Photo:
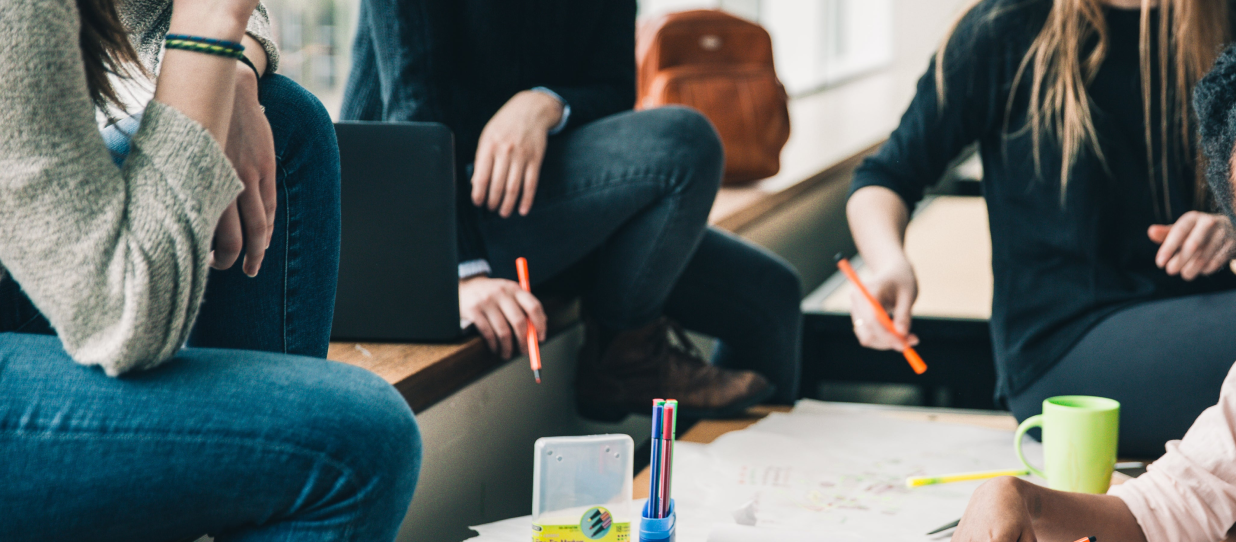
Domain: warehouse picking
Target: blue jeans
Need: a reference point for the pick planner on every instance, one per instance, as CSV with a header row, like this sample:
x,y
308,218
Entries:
x,y
288,307
625,200
246,446
241,444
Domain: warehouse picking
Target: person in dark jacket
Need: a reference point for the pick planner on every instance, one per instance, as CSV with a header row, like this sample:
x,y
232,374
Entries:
x,y
1110,263
556,167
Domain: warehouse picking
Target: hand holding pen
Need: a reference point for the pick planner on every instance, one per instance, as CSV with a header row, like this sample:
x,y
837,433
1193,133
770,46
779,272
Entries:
x,y
864,302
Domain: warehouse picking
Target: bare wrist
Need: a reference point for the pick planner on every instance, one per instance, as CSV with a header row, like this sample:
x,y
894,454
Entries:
x,y
548,111
885,260
213,23
245,76
1031,496
466,280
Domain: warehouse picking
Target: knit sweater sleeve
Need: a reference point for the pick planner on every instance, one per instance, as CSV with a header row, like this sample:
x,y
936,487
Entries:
x,y
115,258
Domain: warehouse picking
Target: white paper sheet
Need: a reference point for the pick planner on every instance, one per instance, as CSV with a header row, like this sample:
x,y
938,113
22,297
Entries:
x,y
823,473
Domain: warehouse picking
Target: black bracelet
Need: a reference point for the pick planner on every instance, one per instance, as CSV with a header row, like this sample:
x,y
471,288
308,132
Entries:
x,y
245,60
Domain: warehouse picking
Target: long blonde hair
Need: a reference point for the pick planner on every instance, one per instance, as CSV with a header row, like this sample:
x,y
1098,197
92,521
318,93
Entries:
x,y
1191,33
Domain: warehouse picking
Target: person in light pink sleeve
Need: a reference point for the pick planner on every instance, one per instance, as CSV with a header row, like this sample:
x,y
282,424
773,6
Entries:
x,y
1187,496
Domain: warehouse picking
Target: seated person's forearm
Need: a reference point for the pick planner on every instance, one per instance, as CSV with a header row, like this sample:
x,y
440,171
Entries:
x,y
199,85
1060,515
255,53
878,219
1000,510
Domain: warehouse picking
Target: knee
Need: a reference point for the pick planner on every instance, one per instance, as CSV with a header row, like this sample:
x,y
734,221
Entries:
x,y
688,139
298,120
782,284
373,431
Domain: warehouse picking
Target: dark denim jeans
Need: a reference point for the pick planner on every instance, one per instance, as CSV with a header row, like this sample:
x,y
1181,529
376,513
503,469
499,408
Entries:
x,y
289,305
243,444
629,196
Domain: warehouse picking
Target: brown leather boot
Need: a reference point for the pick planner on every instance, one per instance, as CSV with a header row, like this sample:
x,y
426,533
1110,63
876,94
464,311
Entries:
x,y
659,361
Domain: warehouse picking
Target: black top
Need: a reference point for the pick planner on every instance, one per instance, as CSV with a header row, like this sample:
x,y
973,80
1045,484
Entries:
x,y
1059,268
458,61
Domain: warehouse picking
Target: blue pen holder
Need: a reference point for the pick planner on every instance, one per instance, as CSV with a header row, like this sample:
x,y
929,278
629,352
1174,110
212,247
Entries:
x,y
657,529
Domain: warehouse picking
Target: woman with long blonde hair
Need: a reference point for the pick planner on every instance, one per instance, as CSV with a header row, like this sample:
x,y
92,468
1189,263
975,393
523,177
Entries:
x,y
1108,263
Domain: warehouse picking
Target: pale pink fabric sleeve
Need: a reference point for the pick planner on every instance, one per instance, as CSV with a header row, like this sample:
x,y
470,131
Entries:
x,y
1190,494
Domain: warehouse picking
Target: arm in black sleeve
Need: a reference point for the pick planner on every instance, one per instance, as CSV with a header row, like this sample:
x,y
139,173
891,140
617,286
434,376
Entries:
x,y
608,82
931,136
468,221
410,45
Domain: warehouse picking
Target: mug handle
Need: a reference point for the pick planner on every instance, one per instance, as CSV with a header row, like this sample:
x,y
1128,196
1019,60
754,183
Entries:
x,y
1030,423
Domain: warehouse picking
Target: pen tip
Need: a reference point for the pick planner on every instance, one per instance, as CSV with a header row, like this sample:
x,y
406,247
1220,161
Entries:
x,y
537,374
837,257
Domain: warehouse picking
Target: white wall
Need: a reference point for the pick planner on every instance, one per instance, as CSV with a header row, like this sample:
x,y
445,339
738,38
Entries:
x,y
918,27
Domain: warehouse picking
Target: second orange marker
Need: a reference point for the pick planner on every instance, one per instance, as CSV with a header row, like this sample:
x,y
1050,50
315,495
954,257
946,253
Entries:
x,y
911,355
534,346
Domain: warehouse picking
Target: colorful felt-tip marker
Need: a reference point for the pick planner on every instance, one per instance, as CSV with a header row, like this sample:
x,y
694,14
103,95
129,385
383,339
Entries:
x,y
919,481
534,346
667,446
655,464
911,355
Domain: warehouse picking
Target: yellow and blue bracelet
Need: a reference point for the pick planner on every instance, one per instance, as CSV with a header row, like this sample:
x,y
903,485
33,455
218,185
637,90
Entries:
x,y
210,46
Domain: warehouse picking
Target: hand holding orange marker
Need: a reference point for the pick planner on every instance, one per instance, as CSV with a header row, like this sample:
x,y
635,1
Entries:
x,y
911,355
534,347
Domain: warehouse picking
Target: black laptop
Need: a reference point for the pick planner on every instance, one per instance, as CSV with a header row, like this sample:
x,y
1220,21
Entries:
x,y
398,274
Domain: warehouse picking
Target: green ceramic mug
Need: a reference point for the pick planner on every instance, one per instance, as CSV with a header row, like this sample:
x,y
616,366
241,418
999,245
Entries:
x,y
1079,442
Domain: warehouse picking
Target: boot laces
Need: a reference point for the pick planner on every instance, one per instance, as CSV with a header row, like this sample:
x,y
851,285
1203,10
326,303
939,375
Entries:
x,y
676,341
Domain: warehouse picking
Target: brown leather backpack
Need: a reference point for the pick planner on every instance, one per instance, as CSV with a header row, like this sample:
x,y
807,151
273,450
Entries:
x,y
722,66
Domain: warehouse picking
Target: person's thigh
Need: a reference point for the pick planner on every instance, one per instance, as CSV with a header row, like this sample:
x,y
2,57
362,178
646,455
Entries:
x,y
1163,360
634,191
595,179
750,300
289,306
243,445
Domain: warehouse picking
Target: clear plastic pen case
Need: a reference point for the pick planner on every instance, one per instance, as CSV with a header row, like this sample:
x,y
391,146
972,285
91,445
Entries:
x,y
581,489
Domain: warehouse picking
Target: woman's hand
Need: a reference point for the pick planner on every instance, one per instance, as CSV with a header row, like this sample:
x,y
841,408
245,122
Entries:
x,y
201,86
997,513
500,309
896,288
878,219
250,221
509,154
1013,510
1197,244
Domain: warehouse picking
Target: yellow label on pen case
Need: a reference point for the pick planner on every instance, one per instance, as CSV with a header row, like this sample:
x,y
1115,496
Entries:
x,y
596,525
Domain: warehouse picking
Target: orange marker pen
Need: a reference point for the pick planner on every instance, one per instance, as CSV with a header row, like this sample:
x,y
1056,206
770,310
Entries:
x,y
911,355
534,346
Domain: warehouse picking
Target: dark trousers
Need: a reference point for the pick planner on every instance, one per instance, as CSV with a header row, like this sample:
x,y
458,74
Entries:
x,y
629,196
1163,360
289,305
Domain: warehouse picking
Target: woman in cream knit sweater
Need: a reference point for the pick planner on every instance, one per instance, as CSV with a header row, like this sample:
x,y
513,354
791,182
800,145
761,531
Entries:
x,y
240,444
